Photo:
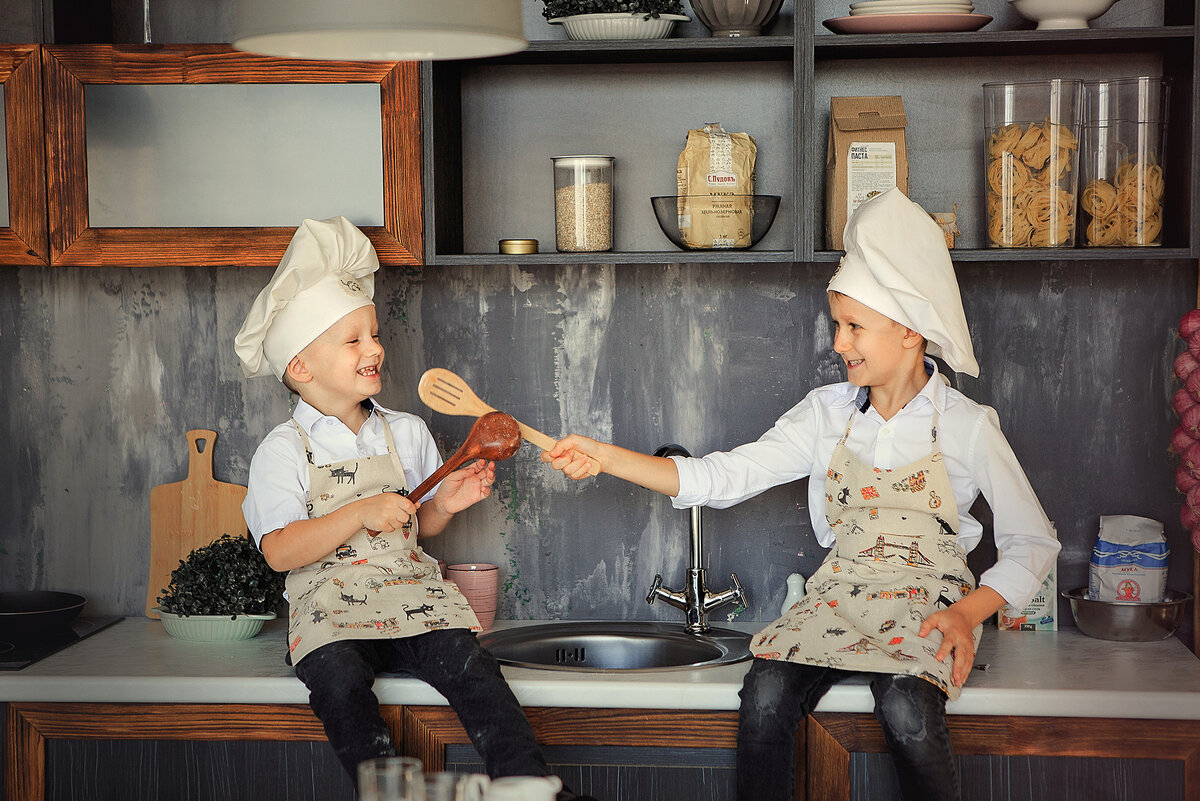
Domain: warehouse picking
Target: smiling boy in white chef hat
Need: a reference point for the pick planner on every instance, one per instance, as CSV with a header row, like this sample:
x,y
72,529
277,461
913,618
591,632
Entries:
x,y
895,459
327,502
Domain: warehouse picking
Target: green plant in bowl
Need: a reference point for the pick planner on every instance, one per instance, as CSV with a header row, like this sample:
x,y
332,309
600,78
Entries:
x,y
571,8
221,591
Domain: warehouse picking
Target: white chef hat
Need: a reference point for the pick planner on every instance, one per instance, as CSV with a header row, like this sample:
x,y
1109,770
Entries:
x,y
897,263
326,273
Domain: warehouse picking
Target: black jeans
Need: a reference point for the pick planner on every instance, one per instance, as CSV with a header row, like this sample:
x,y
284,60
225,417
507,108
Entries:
x,y
339,677
776,696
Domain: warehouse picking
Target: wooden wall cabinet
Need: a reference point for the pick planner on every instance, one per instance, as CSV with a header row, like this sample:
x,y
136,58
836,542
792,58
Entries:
x,y
23,241
70,69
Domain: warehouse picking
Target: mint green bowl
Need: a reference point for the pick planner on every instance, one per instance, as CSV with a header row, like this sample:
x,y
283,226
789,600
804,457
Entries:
x,y
212,628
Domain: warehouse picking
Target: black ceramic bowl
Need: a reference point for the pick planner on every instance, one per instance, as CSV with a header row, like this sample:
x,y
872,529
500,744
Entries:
x,y
38,610
758,211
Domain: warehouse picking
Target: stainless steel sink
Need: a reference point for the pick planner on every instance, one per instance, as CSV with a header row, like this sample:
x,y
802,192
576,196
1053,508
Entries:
x,y
608,646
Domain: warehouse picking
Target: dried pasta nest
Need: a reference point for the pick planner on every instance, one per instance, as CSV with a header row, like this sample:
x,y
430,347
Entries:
x,y
1027,206
1126,211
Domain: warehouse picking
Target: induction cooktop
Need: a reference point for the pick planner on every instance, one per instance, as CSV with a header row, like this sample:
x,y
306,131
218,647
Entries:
x,y
18,651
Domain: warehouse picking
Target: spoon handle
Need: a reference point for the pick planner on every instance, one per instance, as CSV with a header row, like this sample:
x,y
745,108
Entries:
x,y
448,467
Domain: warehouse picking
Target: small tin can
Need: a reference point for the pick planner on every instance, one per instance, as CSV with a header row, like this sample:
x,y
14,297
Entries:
x,y
518,246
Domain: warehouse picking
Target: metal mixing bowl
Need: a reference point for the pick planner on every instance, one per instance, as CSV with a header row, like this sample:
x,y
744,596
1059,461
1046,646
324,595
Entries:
x,y
1128,621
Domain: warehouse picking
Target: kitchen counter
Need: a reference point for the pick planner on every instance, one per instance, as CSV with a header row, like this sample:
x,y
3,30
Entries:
x,y
1057,674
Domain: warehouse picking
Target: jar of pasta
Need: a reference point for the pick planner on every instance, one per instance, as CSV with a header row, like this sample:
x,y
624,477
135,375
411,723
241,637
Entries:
x,y
1125,122
1031,156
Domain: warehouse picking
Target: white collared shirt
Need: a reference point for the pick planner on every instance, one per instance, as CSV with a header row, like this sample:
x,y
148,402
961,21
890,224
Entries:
x,y
277,490
977,456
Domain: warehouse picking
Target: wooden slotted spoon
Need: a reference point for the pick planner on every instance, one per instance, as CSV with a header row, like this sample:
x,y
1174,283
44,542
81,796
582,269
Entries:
x,y
445,392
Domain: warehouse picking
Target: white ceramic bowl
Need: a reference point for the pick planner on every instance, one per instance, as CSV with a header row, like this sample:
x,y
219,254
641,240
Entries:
x,y
618,26
212,628
736,18
1057,15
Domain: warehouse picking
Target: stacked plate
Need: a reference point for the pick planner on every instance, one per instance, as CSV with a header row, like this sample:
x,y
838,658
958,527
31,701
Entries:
x,y
910,7
908,16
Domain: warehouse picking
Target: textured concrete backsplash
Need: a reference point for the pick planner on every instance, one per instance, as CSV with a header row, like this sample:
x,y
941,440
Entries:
x,y
104,370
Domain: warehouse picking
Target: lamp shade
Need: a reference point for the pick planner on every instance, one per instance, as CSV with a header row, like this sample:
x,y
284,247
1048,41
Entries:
x,y
379,30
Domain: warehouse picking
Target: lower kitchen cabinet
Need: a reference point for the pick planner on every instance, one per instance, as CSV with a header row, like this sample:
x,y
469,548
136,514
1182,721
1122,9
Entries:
x,y
264,752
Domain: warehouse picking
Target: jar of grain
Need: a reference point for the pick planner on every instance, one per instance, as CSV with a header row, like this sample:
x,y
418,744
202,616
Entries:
x,y
583,203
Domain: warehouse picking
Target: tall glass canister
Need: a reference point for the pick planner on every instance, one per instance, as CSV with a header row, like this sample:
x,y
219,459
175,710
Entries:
x,y
1031,156
583,203
1124,180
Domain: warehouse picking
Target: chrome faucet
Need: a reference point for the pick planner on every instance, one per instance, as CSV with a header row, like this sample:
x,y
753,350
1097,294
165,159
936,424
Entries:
x,y
695,599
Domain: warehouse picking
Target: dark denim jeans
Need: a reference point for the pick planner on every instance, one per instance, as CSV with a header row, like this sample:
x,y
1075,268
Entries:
x,y
776,696
339,677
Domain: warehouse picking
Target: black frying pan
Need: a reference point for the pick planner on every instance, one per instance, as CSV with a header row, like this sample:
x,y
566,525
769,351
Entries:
x,y
37,610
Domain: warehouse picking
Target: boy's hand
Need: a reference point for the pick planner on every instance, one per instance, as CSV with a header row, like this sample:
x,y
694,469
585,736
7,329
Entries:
x,y
957,624
465,487
387,511
570,455
957,637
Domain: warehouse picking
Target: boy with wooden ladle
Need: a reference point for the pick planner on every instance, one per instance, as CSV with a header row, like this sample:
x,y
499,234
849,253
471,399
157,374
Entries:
x,y
895,459
327,502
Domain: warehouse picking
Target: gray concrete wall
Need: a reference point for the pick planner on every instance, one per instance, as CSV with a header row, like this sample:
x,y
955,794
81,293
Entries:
x,y
105,370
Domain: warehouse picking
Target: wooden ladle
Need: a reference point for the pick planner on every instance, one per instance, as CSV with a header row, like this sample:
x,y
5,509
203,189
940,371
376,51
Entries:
x,y
495,437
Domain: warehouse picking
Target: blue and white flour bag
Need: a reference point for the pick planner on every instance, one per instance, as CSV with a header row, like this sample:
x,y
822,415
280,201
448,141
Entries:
x,y
1129,562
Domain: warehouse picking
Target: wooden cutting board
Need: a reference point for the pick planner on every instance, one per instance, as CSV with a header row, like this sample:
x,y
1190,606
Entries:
x,y
189,514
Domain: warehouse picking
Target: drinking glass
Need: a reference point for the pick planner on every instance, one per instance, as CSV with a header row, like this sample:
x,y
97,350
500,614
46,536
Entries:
x,y
390,779
451,786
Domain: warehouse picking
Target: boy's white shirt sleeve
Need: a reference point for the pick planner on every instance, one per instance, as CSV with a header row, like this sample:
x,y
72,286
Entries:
x,y
277,491
723,479
1024,535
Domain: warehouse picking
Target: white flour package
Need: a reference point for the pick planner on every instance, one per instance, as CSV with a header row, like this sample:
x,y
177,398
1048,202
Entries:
x,y
1129,562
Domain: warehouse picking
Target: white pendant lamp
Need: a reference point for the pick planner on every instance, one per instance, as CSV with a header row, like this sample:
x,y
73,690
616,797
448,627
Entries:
x,y
380,30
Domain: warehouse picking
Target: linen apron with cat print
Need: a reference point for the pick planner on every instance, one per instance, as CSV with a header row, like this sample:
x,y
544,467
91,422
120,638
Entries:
x,y
376,585
896,560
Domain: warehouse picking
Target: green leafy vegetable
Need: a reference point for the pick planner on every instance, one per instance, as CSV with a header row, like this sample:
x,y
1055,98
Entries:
x,y
228,577
570,8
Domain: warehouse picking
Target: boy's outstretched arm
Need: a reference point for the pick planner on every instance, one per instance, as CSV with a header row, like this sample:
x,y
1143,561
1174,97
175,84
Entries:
x,y
652,472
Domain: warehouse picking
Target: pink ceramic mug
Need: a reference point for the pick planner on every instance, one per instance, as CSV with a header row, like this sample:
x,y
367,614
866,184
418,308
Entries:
x,y
480,584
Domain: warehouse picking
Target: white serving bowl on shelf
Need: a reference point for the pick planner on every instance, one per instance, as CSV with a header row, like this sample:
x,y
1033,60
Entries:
x,y
624,25
1058,15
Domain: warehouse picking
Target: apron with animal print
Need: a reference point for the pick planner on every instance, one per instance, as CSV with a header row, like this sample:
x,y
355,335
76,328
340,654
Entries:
x,y
895,561
376,585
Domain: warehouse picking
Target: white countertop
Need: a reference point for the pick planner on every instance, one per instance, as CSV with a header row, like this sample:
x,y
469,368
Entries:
x,y
1061,673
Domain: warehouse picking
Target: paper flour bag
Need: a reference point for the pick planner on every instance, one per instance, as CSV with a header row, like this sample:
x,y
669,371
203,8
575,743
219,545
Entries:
x,y
1129,562
715,181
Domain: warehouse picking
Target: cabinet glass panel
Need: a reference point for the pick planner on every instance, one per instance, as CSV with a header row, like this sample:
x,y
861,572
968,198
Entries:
x,y
233,155
514,118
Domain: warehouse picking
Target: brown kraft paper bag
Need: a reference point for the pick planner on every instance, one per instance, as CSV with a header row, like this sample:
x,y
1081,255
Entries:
x,y
718,164
865,156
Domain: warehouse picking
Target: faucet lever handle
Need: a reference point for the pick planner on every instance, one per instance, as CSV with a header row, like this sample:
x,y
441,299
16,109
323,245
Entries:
x,y
654,587
738,592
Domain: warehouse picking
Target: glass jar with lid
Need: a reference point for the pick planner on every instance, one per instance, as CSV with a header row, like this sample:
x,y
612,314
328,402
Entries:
x,y
583,203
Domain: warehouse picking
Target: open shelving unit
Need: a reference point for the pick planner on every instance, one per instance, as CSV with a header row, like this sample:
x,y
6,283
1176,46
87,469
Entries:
x,y
489,129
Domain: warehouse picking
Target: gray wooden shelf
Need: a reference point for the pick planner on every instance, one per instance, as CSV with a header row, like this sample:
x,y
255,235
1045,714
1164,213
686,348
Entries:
x,y
635,99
